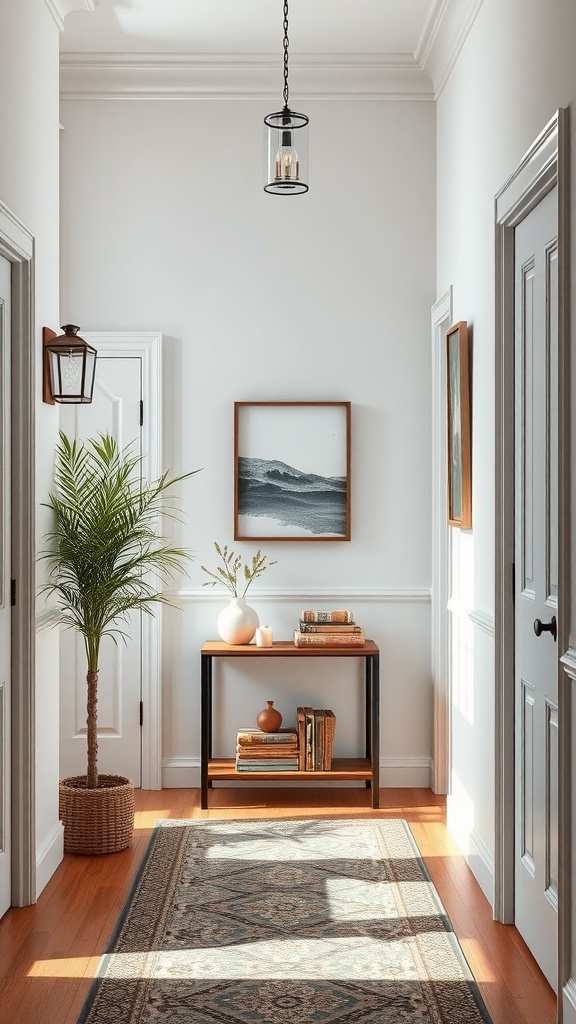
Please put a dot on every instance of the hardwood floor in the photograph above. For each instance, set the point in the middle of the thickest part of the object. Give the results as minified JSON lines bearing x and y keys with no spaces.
{"x":50,"y":951}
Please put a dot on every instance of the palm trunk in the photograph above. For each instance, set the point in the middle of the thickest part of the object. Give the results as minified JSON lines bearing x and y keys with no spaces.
{"x":92,"y":730}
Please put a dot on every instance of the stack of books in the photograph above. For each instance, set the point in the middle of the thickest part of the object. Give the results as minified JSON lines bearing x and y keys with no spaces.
{"x":258,"y":751}
{"x":332,"y":628}
{"x":315,"y":727}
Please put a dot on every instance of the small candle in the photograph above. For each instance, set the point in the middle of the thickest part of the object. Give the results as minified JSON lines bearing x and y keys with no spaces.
{"x":264,"y":636}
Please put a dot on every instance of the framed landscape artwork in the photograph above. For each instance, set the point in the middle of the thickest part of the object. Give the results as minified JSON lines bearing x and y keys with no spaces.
{"x":292,"y":471}
{"x":458,"y":421}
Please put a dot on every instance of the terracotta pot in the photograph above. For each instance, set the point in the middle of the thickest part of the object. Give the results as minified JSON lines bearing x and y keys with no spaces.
{"x":269,"y":720}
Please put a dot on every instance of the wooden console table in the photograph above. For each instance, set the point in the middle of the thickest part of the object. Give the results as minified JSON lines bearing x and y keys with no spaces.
{"x":361,"y":769}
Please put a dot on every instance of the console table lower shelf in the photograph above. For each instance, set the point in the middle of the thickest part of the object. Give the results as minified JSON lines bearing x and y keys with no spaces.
{"x":344,"y":769}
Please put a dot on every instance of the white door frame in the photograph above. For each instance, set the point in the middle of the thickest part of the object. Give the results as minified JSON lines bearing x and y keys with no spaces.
{"x":442,"y":768}
{"x":148,"y":347}
{"x":544,"y":166}
{"x":17,"y":245}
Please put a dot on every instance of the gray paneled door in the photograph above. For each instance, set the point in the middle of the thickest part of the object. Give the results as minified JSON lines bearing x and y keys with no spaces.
{"x":536,"y":582}
{"x":5,"y":592}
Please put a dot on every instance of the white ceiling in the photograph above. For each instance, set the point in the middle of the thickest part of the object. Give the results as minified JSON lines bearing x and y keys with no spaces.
{"x":250,"y":26}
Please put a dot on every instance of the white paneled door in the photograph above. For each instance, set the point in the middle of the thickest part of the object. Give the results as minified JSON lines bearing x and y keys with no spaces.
{"x":116,"y":409}
{"x":5,"y":586}
{"x":536,"y":582}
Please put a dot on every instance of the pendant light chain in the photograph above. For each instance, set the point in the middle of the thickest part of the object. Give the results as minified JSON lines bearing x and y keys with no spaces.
{"x":285,"y":43}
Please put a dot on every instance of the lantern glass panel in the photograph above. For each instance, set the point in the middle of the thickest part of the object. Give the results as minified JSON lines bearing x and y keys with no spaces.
{"x":72,"y":373}
{"x":286,"y":156}
{"x":89,"y":374}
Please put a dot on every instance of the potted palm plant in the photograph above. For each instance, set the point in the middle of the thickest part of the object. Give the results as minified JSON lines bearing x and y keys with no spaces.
{"x":105,"y":559}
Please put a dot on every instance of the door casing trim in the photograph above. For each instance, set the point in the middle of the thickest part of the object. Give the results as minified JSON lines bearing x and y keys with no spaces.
{"x":17,"y":245}
{"x":442,"y":767}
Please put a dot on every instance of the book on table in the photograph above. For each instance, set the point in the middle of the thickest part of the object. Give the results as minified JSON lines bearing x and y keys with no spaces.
{"x":355,"y":639}
{"x":329,"y":729}
{"x":328,"y":627}
{"x":267,"y":751}
{"x":343,"y":615}
{"x":247,"y":737}
{"x":278,"y":764}
{"x":301,"y":729}
{"x":316,"y":731}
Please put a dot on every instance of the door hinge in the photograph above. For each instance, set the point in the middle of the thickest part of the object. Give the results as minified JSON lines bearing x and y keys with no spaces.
{"x":12,"y":592}
{"x":513,"y":582}
{"x":141,"y":413}
{"x":141,"y":713}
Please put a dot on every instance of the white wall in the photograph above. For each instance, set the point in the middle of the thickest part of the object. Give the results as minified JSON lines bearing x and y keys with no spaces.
{"x":516,"y":68}
{"x":29,"y":119}
{"x":165,"y":226}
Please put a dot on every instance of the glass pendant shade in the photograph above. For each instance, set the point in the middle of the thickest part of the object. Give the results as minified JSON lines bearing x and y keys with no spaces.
{"x":286,"y":153}
{"x":71,"y":364}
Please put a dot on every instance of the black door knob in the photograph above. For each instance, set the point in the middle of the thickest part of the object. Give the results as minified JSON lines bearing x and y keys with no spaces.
{"x":545,"y":627}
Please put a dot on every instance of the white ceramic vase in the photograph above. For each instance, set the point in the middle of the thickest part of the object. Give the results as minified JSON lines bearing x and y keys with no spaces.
{"x":237,"y":622}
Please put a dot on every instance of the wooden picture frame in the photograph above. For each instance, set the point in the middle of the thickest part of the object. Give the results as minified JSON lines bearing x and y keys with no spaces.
{"x":458,"y":424}
{"x":292,"y":471}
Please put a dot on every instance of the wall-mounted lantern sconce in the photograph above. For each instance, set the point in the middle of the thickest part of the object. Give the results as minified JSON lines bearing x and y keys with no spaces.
{"x":69,"y":367}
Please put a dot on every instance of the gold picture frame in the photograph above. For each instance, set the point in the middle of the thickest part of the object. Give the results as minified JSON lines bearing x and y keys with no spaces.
{"x":458,"y":425}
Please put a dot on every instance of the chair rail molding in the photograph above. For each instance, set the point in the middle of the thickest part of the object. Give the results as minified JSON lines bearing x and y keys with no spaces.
{"x":416,"y":595}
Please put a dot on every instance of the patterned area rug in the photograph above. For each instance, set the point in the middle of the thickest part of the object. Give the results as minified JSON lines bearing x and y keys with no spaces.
{"x":283,"y":922}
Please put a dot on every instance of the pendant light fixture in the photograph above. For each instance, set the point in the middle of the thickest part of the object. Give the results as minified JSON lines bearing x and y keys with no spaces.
{"x":286,"y":141}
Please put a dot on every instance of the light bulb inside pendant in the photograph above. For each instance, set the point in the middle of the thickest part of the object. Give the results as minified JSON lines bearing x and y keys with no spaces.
{"x":287,"y":162}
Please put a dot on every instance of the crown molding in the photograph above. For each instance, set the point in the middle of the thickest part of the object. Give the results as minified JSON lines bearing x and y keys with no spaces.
{"x":60,"y":8}
{"x":444,"y":36}
{"x":109,"y":76}
{"x":220,"y":76}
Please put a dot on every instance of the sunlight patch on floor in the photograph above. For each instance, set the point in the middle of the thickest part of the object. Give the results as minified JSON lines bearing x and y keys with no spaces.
{"x":363,"y":958}
{"x":65,"y":967}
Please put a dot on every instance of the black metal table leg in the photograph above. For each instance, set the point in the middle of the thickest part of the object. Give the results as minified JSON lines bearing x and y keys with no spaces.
{"x":205,"y":725}
{"x":375,"y":724}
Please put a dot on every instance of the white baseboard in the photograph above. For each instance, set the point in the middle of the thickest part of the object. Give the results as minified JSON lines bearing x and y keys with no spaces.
{"x":181,"y":773}
{"x":405,"y":772}
{"x":49,"y":856}
{"x":481,"y":864}
{"x":460,"y":824}
{"x":396,"y":772}
{"x":568,"y":1005}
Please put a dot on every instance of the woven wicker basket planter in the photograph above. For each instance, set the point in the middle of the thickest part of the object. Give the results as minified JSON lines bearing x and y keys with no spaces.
{"x":97,"y":820}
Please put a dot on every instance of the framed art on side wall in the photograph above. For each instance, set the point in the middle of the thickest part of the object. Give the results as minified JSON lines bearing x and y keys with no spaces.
{"x":292,"y":471}
{"x":458,"y":422}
